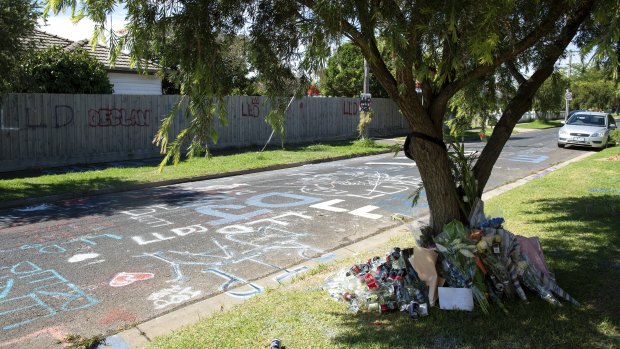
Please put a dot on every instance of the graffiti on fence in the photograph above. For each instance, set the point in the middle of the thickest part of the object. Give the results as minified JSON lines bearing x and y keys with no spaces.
{"x":350,"y":108}
{"x":112,"y":117}
{"x":250,"y":107}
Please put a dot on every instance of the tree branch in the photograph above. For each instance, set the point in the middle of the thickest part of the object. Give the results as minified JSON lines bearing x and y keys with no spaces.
{"x":512,"y":68}
{"x":543,"y":29}
{"x":522,"y":101}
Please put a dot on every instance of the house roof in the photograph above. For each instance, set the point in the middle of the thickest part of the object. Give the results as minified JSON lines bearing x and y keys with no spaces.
{"x":43,"y":40}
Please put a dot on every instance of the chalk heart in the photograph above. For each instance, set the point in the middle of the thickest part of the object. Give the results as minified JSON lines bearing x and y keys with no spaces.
{"x":124,"y":279}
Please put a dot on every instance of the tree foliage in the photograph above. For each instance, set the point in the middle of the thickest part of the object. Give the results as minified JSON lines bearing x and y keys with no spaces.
{"x":18,"y":19}
{"x":448,"y":46}
{"x":56,"y":70}
{"x":593,"y":89}
{"x":344,"y":74}
{"x":550,"y":97}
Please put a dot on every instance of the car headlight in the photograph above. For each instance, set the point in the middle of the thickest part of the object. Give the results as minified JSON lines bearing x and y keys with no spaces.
{"x":563,"y":133}
{"x":598,"y":134}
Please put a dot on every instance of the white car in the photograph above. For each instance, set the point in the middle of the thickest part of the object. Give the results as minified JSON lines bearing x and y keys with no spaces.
{"x":587,"y":129}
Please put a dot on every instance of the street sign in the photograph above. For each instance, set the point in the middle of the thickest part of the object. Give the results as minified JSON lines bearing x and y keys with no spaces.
{"x":568,"y":96}
{"x":365,"y":101}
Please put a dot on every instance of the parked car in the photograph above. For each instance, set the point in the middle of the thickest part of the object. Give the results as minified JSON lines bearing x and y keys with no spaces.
{"x":587,"y":129}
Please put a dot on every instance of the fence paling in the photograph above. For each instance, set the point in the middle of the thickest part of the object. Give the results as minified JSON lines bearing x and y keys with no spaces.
{"x":43,"y":130}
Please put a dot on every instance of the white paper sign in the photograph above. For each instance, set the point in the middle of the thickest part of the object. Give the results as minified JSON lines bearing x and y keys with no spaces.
{"x":456,"y":298}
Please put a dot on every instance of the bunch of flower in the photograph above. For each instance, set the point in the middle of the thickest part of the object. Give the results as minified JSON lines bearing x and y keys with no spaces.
{"x":459,"y":262}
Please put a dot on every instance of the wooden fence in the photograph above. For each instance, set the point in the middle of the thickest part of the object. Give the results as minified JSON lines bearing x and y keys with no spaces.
{"x":45,"y":130}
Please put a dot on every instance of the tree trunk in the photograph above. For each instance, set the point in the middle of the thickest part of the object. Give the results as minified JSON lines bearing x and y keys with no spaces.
{"x":434,"y":166}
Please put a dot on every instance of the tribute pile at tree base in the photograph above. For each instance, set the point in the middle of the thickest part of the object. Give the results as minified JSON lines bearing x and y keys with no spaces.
{"x":461,"y":268}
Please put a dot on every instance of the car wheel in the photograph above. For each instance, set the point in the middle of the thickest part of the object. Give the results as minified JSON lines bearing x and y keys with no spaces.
{"x":560,"y":145}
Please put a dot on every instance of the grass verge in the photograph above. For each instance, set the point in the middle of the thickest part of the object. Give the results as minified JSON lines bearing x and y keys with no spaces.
{"x":540,"y":124}
{"x":574,"y":211}
{"x":22,"y":188}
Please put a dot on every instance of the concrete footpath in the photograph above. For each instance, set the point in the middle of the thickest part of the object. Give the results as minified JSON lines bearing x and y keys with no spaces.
{"x":143,"y":333}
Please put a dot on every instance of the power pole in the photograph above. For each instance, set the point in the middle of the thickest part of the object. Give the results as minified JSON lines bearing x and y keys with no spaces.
{"x":568,"y":96}
{"x":366,"y":83}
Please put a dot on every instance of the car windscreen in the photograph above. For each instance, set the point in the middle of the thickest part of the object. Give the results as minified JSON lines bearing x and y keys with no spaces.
{"x":587,"y":120}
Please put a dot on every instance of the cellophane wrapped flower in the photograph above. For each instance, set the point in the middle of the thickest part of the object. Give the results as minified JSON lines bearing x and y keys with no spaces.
{"x":458,"y":261}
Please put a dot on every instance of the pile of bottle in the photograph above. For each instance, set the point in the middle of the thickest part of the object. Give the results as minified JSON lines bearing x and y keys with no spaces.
{"x":381,"y":284}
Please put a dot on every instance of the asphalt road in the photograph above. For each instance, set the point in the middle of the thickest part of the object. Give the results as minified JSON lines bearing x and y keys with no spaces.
{"x":97,"y":264}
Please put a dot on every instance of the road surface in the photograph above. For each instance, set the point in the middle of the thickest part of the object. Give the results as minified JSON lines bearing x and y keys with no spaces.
{"x":96,"y":265}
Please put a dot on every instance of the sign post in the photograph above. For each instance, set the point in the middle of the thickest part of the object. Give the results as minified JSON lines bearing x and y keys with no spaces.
{"x":568,"y":97}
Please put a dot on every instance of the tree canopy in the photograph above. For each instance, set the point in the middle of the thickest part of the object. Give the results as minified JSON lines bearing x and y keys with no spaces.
{"x":446,"y":45}
{"x":594,"y":89}
{"x":18,"y":19}
{"x":550,"y":96}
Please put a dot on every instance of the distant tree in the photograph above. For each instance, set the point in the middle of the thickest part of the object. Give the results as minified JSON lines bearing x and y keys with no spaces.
{"x":550,"y":96}
{"x":56,"y":70}
{"x":18,"y":18}
{"x":594,"y":89}
{"x":344,"y":75}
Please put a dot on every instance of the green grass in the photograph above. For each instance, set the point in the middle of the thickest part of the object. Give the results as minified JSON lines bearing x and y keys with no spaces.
{"x":579,"y":231}
{"x":21,"y":188}
{"x":540,"y":124}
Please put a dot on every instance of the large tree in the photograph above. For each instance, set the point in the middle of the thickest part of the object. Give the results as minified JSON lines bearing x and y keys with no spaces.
{"x":18,"y":18}
{"x":447,"y":45}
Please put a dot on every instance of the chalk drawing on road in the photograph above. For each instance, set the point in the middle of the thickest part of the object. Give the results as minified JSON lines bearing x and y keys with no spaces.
{"x":176,"y":294}
{"x":290,"y":273}
{"x":82,"y":257}
{"x":41,"y":207}
{"x":533,"y":159}
{"x":56,"y":333}
{"x":361,"y":184}
{"x":253,"y":243}
{"x":401,"y":203}
{"x":30,"y":292}
{"x":408,"y":164}
{"x":178,"y":232}
{"x":77,"y":243}
{"x":123,"y":278}
{"x":95,"y":262}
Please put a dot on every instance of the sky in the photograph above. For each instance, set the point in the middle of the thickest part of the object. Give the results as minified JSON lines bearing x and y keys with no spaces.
{"x":62,"y":26}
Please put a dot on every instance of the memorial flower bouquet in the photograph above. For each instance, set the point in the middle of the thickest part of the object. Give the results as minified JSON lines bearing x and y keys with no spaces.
{"x":459,"y":262}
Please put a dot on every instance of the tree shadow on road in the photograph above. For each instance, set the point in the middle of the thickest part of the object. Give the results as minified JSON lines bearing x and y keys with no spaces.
{"x":84,"y":205}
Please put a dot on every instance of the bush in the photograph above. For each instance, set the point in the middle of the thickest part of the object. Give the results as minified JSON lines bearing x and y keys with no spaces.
{"x":615,"y":135}
{"x":56,"y":70}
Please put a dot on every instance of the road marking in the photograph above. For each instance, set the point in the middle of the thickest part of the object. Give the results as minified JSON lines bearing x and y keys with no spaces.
{"x":533,"y":159}
{"x":327,"y":206}
{"x":364,"y":212}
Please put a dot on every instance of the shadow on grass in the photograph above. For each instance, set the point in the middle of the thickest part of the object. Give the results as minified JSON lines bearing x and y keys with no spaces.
{"x":581,"y":240}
